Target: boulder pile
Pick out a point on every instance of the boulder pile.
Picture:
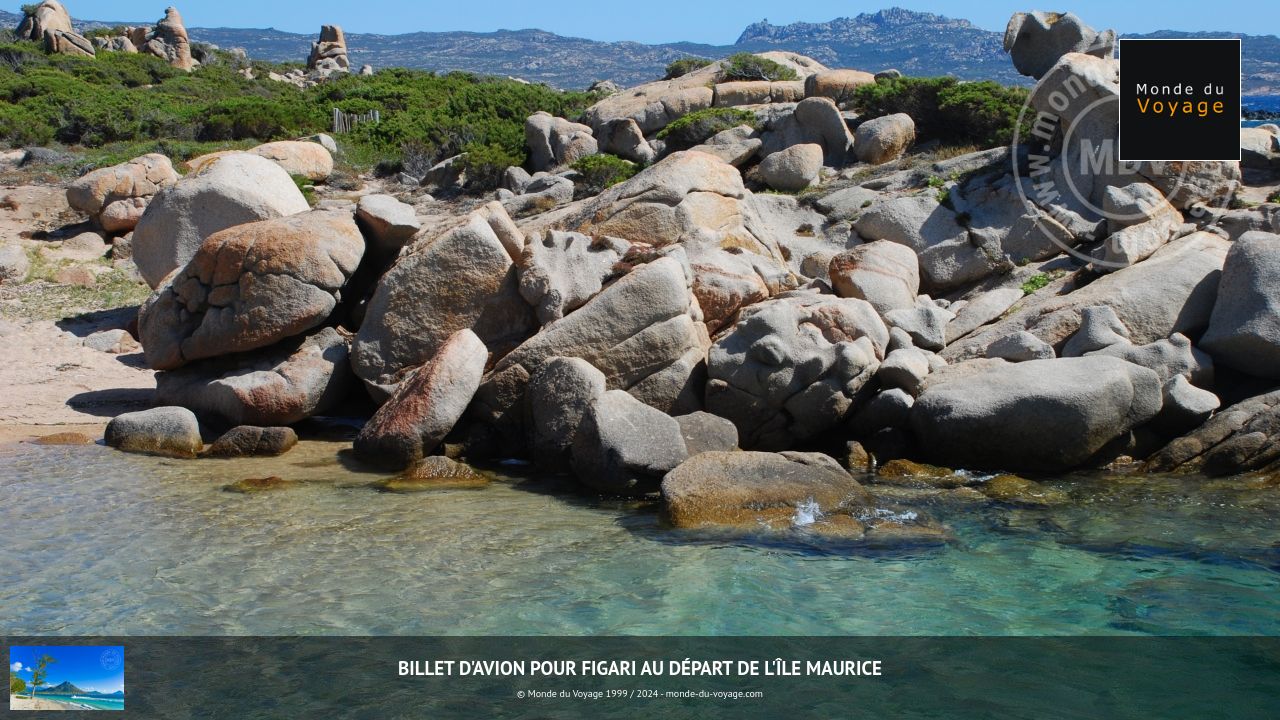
(701, 332)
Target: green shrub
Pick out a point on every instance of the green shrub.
(600, 172)
(484, 164)
(982, 113)
(745, 66)
(700, 125)
(116, 102)
(684, 66)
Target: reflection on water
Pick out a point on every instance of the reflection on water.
(96, 541)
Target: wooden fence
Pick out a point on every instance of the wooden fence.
(344, 122)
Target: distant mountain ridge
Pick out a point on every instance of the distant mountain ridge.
(916, 43)
(63, 688)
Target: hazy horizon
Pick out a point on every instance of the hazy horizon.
(713, 23)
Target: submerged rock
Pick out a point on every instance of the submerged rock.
(434, 472)
(463, 278)
(250, 486)
(64, 438)
(753, 488)
(166, 431)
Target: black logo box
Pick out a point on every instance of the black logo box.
(1188, 64)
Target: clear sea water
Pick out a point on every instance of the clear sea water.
(1260, 102)
(101, 542)
(93, 703)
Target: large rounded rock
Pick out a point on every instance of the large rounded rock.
(885, 274)
(793, 169)
(1036, 416)
(560, 393)
(280, 385)
(465, 277)
(249, 441)
(115, 197)
(251, 286)
(167, 431)
(426, 406)
(554, 141)
(298, 158)
(1037, 40)
(838, 85)
(748, 489)
(884, 138)
(792, 366)
(624, 447)
(1244, 330)
(233, 190)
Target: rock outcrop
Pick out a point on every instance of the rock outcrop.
(329, 53)
(464, 277)
(624, 447)
(251, 286)
(281, 385)
(115, 197)
(1036, 416)
(48, 16)
(793, 366)
(169, 41)
(1244, 330)
(426, 406)
(233, 190)
(1036, 40)
(644, 332)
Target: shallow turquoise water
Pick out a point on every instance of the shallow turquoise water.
(100, 542)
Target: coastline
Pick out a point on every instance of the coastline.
(39, 703)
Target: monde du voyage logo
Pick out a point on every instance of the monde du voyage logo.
(1179, 100)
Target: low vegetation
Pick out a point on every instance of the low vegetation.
(699, 126)
(684, 66)
(1036, 282)
(745, 66)
(945, 109)
(600, 172)
(119, 105)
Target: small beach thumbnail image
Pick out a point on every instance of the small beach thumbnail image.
(66, 677)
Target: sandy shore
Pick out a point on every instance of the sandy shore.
(26, 703)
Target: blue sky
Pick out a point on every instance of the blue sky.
(710, 21)
(82, 666)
